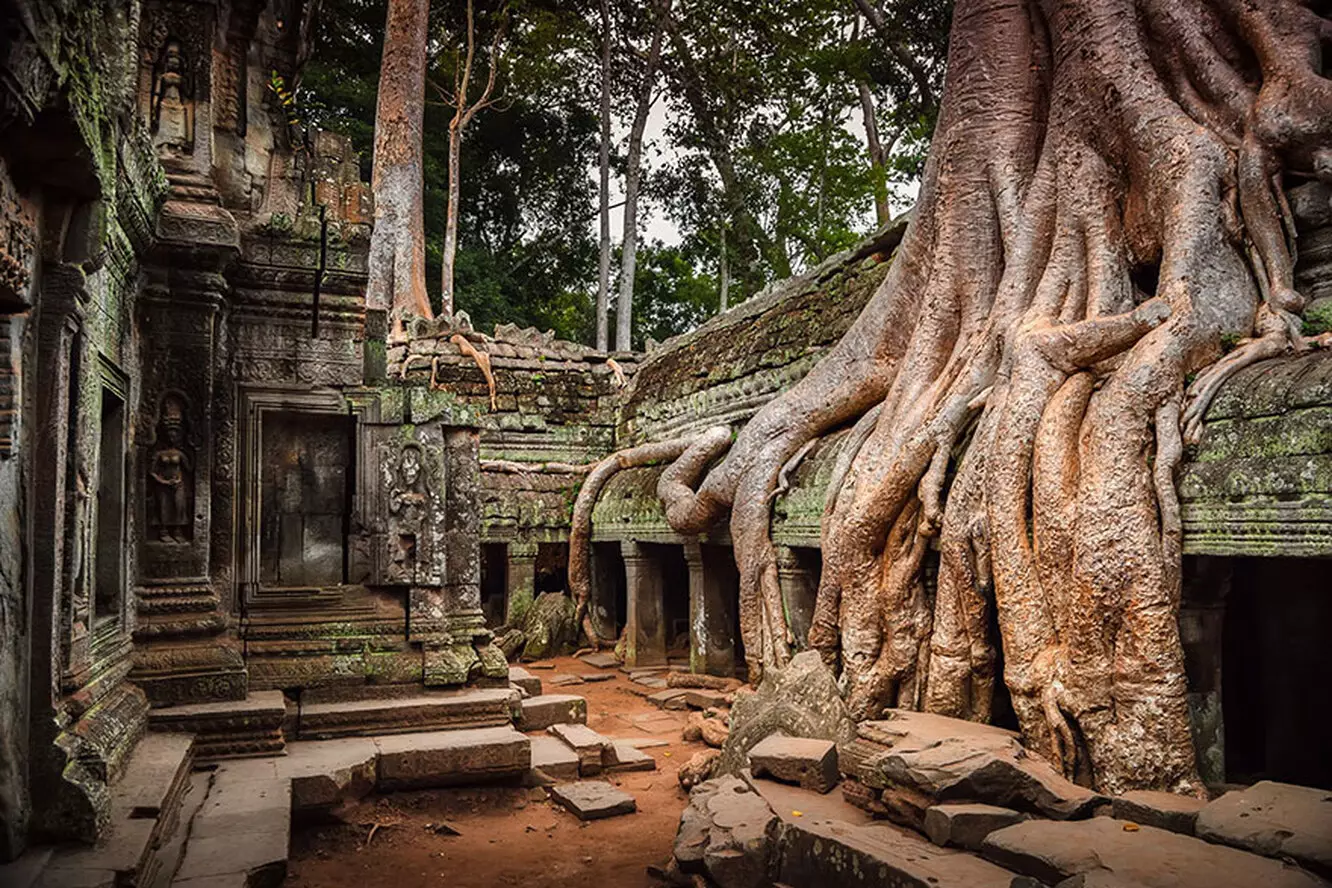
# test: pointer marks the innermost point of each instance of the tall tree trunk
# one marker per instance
(723, 273)
(633, 176)
(603, 164)
(449, 252)
(1014, 393)
(397, 245)
(876, 153)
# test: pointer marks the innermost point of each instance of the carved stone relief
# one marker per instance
(170, 486)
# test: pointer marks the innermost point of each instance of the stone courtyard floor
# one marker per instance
(511, 835)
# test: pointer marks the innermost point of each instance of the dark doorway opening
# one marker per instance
(1276, 686)
(110, 548)
(494, 581)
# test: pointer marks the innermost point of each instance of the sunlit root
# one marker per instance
(482, 361)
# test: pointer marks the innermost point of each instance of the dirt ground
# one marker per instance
(510, 835)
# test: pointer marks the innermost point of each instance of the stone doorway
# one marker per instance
(1277, 685)
(305, 495)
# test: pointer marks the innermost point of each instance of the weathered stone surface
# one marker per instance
(670, 698)
(736, 851)
(967, 825)
(242, 828)
(559, 679)
(435, 710)
(526, 680)
(554, 758)
(601, 660)
(327, 773)
(444, 758)
(592, 748)
(1163, 810)
(593, 799)
(809, 763)
(624, 757)
(541, 712)
(1051, 850)
(915, 760)
(1275, 819)
(228, 729)
(801, 700)
(701, 698)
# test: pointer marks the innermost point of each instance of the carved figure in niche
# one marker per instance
(171, 476)
(171, 118)
(80, 548)
(406, 498)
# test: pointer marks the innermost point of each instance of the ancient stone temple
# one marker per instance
(254, 545)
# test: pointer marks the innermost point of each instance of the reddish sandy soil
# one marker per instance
(510, 835)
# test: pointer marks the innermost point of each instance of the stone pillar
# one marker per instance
(520, 581)
(799, 581)
(604, 578)
(645, 628)
(185, 652)
(712, 587)
(1202, 615)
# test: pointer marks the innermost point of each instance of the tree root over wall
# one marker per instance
(1102, 208)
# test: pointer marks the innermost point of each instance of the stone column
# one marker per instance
(799, 583)
(520, 581)
(645, 636)
(711, 609)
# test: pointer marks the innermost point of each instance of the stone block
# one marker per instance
(1052, 850)
(526, 680)
(433, 710)
(625, 757)
(601, 660)
(593, 800)
(1163, 810)
(446, 758)
(326, 773)
(701, 698)
(541, 712)
(670, 698)
(554, 758)
(967, 825)
(1276, 820)
(810, 763)
(592, 748)
(228, 729)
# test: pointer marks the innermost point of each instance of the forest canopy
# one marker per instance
(778, 134)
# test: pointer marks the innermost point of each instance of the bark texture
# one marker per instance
(397, 245)
(1102, 208)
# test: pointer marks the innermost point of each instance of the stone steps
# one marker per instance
(427, 711)
(228, 729)
(136, 847)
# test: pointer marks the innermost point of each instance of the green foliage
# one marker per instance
(766, 88)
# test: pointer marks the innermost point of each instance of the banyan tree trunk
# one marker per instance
(1101, 210)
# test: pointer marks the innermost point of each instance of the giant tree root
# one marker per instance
(1102, 205)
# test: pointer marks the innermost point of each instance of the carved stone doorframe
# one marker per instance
(256, 402)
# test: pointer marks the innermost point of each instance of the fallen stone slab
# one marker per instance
(601, 660)
(593, 799)
(596, 676)
(324, 774)
(967, 825)
(915, 760)
(810, 763)
(701, 698)
(1163, 810)
(591, 747)
(560, 679)
(553, 757)
(626, 757)
(1051, 850)
(447, 758)
(520, 677)
(724, 833)
(670, 698)
(1276, 820)
(651, 682)
(429, 711)
(541, 712)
